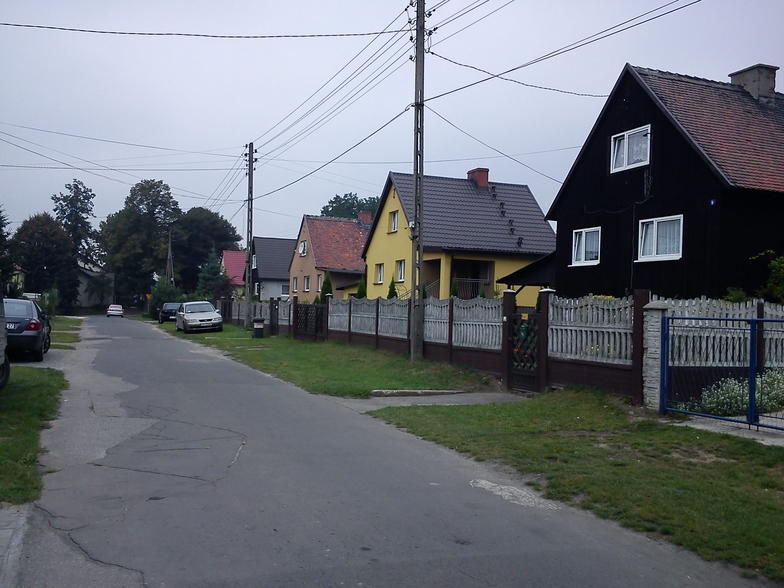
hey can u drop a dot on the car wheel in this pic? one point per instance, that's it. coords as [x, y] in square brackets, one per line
[220, 328]
[47, 343]
[185, 328]
[107, 316]
[38, 354]
[5, 371]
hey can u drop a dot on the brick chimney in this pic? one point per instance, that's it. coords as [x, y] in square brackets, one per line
[479, 177]
[365, 217]
[758, 80]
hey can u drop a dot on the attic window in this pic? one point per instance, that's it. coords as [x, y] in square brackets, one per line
[253, 266]
[303, 248]
[630, 149]
[393, 220]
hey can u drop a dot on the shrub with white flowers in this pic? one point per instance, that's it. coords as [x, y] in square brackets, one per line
[729, 396]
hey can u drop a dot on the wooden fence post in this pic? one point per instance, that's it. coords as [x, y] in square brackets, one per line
[543, 337]
[508, 306]
[639, 299]
[293, 317]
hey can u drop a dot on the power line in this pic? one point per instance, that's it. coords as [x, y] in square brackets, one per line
[494, 149]
[194, 35]
[577, 44]
[434, 54]
[118, 169]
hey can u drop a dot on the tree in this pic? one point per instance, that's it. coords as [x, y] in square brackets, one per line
[74, 210]
[43, 249]
[194, 236]
[6, 260]
[162, 293]
[361, 288]
[392, 292]
[213, 281]
[349, 205]
[326, 288]
[136, 239]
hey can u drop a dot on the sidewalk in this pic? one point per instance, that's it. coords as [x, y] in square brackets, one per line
[12, 526]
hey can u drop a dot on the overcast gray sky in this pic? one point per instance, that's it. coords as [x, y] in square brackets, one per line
[112, 109]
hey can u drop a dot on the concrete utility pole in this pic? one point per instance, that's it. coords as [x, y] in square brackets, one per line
[170, 264]
[249, 256]
[417, 241]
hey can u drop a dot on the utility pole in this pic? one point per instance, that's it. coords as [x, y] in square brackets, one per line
[249, 256]
[170, 264]
[417, 317]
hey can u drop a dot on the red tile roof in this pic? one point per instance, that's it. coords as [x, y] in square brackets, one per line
[743, 137]
[336, 243]
[234, 262]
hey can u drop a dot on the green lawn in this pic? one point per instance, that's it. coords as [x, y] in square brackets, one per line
[65, 332]
[335, 368]
[719, 495]
[27, 402]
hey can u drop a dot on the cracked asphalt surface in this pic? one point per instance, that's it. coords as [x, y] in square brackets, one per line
[173, 466]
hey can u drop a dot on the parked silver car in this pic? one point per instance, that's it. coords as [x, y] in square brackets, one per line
[198, 316]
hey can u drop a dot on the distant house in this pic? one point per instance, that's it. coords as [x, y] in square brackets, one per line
[270, 267]
[233, 265]
[96, 288]
[475, 231]
[678, 188]
[328, 244]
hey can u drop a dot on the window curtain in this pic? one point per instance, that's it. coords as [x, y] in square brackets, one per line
[668, 237]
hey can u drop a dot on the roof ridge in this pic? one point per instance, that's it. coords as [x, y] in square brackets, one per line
[692, 79]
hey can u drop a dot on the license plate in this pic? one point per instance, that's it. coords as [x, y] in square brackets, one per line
[10, 326]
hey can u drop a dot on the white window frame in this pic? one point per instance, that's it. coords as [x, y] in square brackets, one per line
[320, 282]
[623, 139]
[655, 256]
[400, 270]
[306, 283]
[394, 217]
[294, 284]
[379, 273]
[578, 247]
[303, 248]
[253, 266]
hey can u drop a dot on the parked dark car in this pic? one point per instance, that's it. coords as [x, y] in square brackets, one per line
[168, 312]
[5, 364]
[27, 327]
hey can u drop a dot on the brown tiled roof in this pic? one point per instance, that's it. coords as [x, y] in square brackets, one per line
[741, 136]
[234, 262]
[336, 243]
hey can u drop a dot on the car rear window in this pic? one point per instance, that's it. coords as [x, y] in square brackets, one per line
[18, 308]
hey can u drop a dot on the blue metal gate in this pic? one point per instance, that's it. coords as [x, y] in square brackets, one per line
[722, 368]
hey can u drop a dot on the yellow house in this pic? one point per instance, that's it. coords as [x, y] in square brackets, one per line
[474, 232]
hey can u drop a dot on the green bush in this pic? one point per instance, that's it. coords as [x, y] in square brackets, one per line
[730, 396]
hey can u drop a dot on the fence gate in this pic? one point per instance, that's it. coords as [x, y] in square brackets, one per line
[274, 317]
[724, 368]
[524, 370]
[311, 322]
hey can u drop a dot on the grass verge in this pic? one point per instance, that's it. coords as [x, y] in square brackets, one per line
[719, 495]
[27, 403]
[65, 332]
[337, 369]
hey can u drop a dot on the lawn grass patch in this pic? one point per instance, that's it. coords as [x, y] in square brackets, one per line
[65, 332]
[719, 495]
[335, 368]
[27, 403]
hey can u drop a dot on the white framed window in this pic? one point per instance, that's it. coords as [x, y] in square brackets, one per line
[393, 220]
[303, 248]
[630, 149]
[661, 239]
[294, 283]
[586, 245]
[284, 289]
[253, 265]
[306, 283]
[257, 288]
[379, 273]
[320, 282]
[400, 270]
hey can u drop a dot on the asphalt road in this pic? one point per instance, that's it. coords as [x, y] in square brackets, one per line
[173, 466]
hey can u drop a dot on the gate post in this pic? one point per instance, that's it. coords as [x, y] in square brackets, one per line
[652, 353]
[293, 317]
[508, 308]
[543, 336]
[640, 299]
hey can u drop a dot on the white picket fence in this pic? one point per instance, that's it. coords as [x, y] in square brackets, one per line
[591, 328]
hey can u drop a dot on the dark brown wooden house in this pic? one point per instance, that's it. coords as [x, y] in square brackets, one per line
[679, 188]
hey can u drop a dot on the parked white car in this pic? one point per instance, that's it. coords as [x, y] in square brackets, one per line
[198, 316]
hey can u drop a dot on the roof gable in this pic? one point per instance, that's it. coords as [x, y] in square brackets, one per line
[336, 243]
[740, 136]
[459, 215]
[234, 264]
[273, 257]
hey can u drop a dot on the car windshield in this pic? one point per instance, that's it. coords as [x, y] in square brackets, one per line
[18, 308]
[171, 306]
[203, 307]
